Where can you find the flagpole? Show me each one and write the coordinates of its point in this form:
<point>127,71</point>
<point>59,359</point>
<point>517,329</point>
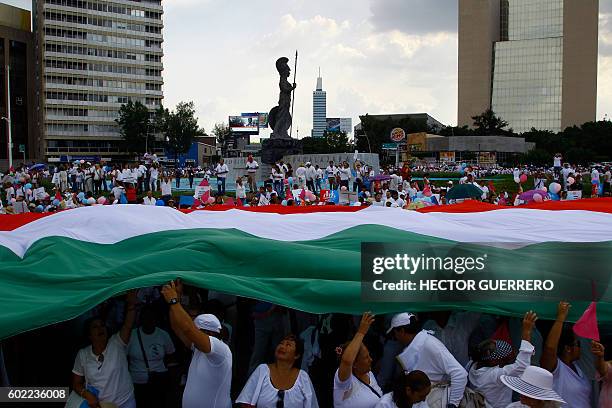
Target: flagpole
<point>293,95</point>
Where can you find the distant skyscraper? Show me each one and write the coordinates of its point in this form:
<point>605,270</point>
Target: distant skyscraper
<point>319,109</point>
<point>533,62</point>
<point>93,57</point>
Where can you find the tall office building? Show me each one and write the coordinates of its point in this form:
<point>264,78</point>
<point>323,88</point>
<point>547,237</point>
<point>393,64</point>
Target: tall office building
<point>319,109</point>
<point>93,57</point>
<point>533,62</point>
<point>17,86</point>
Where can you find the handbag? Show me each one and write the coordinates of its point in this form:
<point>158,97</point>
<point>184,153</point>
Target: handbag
<point>156,379</point>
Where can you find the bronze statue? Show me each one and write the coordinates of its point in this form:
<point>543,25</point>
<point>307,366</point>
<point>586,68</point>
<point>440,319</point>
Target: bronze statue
<point>279,118</point>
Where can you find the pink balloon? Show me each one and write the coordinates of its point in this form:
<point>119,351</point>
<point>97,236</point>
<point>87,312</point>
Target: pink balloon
<point>523,178</point>
<point>571,180</point>
<point>537,198</point>
<point>544,189</point>
<point>102,200</point>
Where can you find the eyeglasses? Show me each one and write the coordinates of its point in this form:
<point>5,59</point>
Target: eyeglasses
<point>281,399</point>
<point>100,360</point>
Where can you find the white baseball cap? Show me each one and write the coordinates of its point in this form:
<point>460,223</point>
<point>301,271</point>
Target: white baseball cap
<point>208,322</point>
<point>399,320</point>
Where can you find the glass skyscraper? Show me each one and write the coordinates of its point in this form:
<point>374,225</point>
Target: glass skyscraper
<point>94,56</point>
<point>319,109</point>
<point>533,62</point>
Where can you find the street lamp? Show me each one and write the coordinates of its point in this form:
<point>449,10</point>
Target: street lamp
<point>9,141</point>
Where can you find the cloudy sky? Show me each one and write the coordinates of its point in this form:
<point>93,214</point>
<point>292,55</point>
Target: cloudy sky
<point>376,56</point>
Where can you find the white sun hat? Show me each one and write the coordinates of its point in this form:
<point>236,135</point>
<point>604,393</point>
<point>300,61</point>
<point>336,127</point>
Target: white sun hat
<point>536,383</point>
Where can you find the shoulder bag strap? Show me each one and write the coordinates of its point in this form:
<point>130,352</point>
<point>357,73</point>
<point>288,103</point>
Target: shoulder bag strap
<point>144,355</point>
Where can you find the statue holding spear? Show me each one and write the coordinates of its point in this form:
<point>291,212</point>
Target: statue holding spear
<point>280,117</point>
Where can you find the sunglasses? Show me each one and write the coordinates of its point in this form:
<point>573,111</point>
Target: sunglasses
<point>100,360</point>
<point>281,399</point>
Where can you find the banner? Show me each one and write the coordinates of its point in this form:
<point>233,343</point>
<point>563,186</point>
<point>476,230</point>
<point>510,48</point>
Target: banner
<point>325,195</point>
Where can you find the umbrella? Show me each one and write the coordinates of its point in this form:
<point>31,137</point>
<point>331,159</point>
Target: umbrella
<point>464,191</point>
<point>380,177</point>
<point>528,195</point>
<point>39,166</point>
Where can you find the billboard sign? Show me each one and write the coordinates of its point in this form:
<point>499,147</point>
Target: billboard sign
<point>339,125</point>
<point>263,120</point>
<point>398,135</point>
<point>248,123</point>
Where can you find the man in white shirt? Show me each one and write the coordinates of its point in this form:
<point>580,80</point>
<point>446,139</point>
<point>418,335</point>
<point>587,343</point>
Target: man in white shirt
<point>395,181</point>
<point>318,178</point>
<point>330,173</point>
<point>311,175</point>
<point>567,170</point>
<point>595,182</point>
<point>424,352</point>
<point>251,167</point>
<point>300,174</point>
<point>153,176</point>
<point>210,371</point>
<point>149,199</point>
<point>221,170</point>
<point>344,172</point>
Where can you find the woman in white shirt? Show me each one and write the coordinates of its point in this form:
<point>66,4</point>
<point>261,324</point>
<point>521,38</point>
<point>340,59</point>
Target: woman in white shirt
<point>410,390</point>
<point>493,361</point>
<point>280,384</point>
<point>354,383</point>
<point>240,191</point>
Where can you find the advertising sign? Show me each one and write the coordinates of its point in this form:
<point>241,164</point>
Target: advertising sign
<point>398,135</point>
<point>244,123</point>
<point>339,125</point>
<point>325,195</point>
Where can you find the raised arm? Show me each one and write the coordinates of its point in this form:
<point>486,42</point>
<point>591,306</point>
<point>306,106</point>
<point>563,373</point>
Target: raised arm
<point>130,315</point>
<point>548,360</point>
<point>181,321</point>
<point>523,359</point>
<point>352,350</point>
<point>600,364</point>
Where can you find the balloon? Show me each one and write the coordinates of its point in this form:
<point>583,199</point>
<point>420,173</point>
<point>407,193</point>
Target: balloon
<point>28,186</point>
<point>84,201</point>
<point>160,203</point>
<point>211,200</point>
<point>537,197</point>
<point>81,195</point>
<point>523,178</point>
<point>40,208</point>
<point>517,180</point>
<point>82,161</point>
<point>343,188</point>
<point>290,181</point>
<point>554,196</point>
<point>554,188</point>
<point>91,201</point>
<point>56,202</point>
<point>463,165</point>
<point>571,180</point>
<point>284,202</point>
<point>102,200</point>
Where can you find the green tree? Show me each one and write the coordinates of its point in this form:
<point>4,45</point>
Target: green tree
<point>456,131</point>
<point>222,132</point>
<point>489,124</point>
<point>134,125</point>
<point>539,157</point>
<point>179,127</point>
<point>331,142</point>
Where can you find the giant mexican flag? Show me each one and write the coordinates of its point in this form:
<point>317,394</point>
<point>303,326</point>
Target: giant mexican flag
<point>55,267</point>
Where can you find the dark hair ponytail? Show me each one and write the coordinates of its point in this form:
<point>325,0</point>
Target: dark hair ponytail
<point>415,380</point>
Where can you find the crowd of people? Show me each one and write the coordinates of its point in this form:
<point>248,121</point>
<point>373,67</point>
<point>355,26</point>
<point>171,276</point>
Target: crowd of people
<point>147,182</point>
<point>177,345</point>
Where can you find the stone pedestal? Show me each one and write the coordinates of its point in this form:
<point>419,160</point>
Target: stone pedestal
<point>273,150</point>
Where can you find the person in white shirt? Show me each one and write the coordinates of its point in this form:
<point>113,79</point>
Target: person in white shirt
<point>100,372</point>
<point>210,372</point>
<point>494,359</point>
<point>311,175</point>
<point>354,383</point>
<point>281,383</point>
<point>319,177</point>
<point>221,170</point>
<point>395,181</point>
<point>149,350</point>
<point>240,191</point>
<point>149,199</point>
<point>345,175</point>
<point>251,167</point>
<point>330,172</point>
<point>561,352</point>
<point>277,179</point>
<point>565,172</point>
<point>117,191</point>
<point>411,390</point>
<point>166,188</point>
<point>595,182</point>
<point>378,201</point>
<point>153,176</point>
<point>300,174</point>
<point>424,352</point>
